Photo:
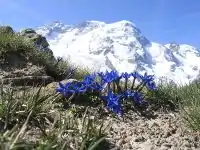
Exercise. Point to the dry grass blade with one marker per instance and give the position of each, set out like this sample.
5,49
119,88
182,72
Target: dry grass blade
21,131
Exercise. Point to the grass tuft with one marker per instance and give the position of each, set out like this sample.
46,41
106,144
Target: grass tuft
28,112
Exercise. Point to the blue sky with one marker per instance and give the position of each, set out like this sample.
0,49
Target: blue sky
161,21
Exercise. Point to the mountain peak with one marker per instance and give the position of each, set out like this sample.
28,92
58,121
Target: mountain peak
58,26
126,23
91,24
121,46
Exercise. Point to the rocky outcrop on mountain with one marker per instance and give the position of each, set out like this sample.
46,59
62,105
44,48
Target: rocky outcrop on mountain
27,75
19,65
27,81
6,29
39,40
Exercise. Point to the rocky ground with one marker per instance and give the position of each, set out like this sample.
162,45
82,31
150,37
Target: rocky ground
165,131
157,131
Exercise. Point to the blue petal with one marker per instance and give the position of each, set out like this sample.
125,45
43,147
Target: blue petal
59,90
61,85
104,97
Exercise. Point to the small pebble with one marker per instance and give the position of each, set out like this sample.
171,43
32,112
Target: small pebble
167,145
139,139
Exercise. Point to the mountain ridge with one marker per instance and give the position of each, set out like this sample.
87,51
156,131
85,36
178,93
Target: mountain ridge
121,46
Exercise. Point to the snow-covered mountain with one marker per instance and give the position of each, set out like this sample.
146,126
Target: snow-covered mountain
121,46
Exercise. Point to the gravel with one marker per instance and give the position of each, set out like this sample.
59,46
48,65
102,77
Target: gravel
166,131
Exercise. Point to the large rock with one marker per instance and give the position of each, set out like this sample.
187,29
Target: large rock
52,86
28,75
20,69
13,60
39,40
6,29
27,81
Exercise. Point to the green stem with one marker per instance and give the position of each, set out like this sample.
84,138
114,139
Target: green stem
125,85
114,87
133,83
108,87
119,89
140,87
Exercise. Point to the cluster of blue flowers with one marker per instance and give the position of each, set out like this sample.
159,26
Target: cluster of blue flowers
110,82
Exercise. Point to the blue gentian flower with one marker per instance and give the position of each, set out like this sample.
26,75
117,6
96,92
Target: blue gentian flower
115,75
136,75
128,93
147,78
151,86
148,81
64,89
89,83
126,75
96,86
109,77
138,97
89,79
113,102
79,88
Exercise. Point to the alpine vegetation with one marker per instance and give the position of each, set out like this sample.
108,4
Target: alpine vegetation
49,103
116,93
